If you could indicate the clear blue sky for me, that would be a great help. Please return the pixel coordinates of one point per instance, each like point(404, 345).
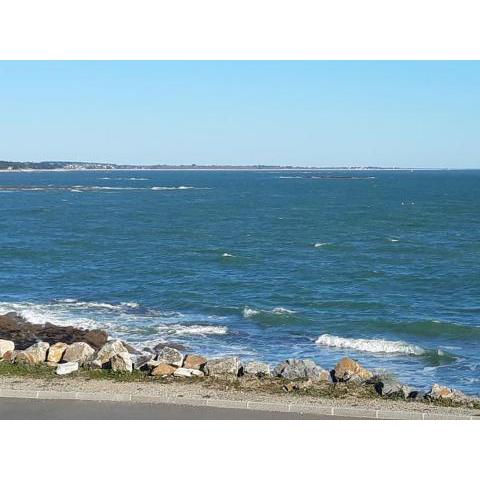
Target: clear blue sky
point(407, 114)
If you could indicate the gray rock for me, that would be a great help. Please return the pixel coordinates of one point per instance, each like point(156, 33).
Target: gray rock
point(388, 388)
point(160, 346)
point(224, 366)
point(66, 368)
point(121, 362)
point(140, 361)
point(258, 369)
point(187, 372)
point(170, 355)
point(294, 368)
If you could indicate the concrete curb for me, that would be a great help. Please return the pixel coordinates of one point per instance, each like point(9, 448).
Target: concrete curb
point(245, 405)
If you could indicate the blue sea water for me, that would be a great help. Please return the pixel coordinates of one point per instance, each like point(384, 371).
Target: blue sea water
point(382, 266)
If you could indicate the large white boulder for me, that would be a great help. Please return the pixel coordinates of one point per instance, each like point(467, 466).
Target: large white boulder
point(66, 368)
point(188, 372)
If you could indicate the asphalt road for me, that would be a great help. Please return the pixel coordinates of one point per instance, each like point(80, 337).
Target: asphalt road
point(33, 409)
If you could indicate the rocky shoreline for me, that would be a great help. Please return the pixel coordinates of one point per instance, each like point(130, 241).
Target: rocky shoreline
point(67, 350)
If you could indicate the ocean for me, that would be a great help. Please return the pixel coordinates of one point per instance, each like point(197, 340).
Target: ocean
point(382, 266)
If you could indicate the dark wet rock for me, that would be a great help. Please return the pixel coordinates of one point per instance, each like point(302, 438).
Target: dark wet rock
point(160, 346)
point(24, 334)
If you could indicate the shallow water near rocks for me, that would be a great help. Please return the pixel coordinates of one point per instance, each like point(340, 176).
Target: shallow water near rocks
point(381, 266)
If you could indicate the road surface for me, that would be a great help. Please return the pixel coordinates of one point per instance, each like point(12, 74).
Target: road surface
point(33, 409)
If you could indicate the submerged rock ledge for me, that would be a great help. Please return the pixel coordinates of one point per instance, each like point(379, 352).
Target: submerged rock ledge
point(69, 349)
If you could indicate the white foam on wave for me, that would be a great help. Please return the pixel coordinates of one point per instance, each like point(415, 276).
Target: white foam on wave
point(97, 187)
point(181, 187)
point(49, 313)
point(187, 330)
point(281, 310)
point(227, 255)
point(251, 312)
point(124, 178)
point(373, 345)
point(319, 244)
point(99, 305)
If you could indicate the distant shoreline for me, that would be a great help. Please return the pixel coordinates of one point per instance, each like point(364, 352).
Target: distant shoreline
point(236, 169)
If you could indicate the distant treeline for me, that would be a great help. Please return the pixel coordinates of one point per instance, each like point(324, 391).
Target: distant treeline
point(109, 166)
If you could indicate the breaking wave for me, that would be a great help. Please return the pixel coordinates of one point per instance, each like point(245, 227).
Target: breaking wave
point(248, 312)
point(92, 188)
point(99, 305)
point(370, 345)
point(187, 330)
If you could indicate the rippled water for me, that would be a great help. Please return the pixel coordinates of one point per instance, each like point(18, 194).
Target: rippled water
point(382, 266)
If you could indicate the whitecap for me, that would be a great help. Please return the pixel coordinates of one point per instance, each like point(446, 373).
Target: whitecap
point(282, 310)
point(373, 345)
point(249, 312)
point(98, 305)
point(188, 330)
